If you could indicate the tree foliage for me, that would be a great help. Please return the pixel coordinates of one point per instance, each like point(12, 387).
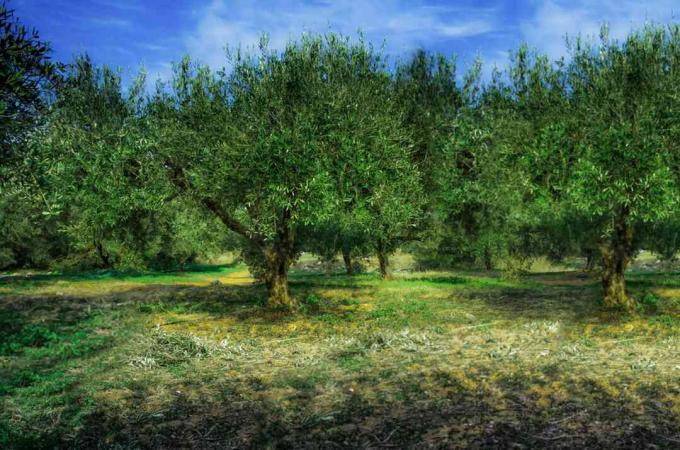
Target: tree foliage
point(283, 141)
point(324, 146)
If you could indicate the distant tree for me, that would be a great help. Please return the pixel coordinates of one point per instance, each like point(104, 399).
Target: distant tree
point(85, 151)
point(489, 222)
point(433, 99)
point(332, 238)
point(378, 174)
point(429, 92)
point(98, 180)
point(481, 196)
point(663, 239)
point(394, 208)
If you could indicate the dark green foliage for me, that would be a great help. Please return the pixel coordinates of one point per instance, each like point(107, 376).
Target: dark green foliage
point(663, 238)
point(27, 76)
point(25, 72)
point(324, 147)
point(28, 238)
point(100, 187)
point(285, 141)
point(331, 239)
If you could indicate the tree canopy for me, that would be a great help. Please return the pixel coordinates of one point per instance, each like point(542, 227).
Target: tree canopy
point(327, 146)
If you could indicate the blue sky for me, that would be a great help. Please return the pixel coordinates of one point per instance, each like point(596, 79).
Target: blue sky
point(154, 33)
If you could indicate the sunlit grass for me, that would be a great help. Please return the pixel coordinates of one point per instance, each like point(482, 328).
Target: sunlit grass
point(93, 283)
point(442, 357)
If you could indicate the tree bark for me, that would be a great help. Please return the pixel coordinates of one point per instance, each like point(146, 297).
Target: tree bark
point(276, 278)
point(101, 253)
point(347, 259)
point(616, 255)
point(278, 256)
point(383, 261)
point(488, 260)
point(590, 260)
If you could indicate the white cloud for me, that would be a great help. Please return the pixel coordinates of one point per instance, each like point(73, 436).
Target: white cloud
point(473, 28)
point(159, 70)
point(553, 20)
point(134, 6)
point(110, 22)
point(404, 25)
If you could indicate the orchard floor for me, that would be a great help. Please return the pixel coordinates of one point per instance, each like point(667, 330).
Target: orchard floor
point(436, 359)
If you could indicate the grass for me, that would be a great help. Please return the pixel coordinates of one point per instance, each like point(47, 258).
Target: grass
point(445, 359)
point(94, 283)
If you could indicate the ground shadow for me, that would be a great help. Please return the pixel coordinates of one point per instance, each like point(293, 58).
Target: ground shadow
point(461, 419)
point(41, 279)
point(451, 280)
point(538, 303)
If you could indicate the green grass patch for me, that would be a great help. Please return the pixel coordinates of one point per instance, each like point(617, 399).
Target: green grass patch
point(437, 358)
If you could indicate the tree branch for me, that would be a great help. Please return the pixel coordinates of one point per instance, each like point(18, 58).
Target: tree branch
point(231, 223)
point(179, 179)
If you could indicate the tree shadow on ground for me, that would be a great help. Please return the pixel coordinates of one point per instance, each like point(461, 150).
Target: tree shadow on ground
point(447, 280)
point(543, 303)
point(461, 419)
point(241, 302)
point(43, 279)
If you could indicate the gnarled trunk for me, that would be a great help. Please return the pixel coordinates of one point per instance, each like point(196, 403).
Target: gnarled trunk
point(383, 261)
point(276, 278)
point(616, 255)
point(278, 257)
point(347, 259)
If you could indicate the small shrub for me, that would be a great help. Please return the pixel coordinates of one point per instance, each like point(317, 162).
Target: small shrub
point(664, 319)
point(312, 302)
point(649, 302)
point(30, 336)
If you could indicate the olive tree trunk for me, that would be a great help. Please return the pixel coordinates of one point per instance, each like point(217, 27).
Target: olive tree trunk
point(383, 261)
point(590, 260)
point(101, 254)
point(278, 256)
point(276, 278)
point(347, 259)
point(616, 255)
point(488, 259)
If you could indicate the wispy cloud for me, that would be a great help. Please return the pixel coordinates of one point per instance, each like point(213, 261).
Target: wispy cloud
point(150, 46)
point(404, 25)
point(121, 4)
point(473, 28)
point(552, 20)
point(110, 22)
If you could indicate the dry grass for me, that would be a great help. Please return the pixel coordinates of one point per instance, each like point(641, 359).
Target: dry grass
point(428, 359)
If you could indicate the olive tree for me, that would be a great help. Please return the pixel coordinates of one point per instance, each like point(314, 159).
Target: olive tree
point(280, 141)
point(626, 105)
point(337, 236)
point(432, 98)
point(27, 78)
